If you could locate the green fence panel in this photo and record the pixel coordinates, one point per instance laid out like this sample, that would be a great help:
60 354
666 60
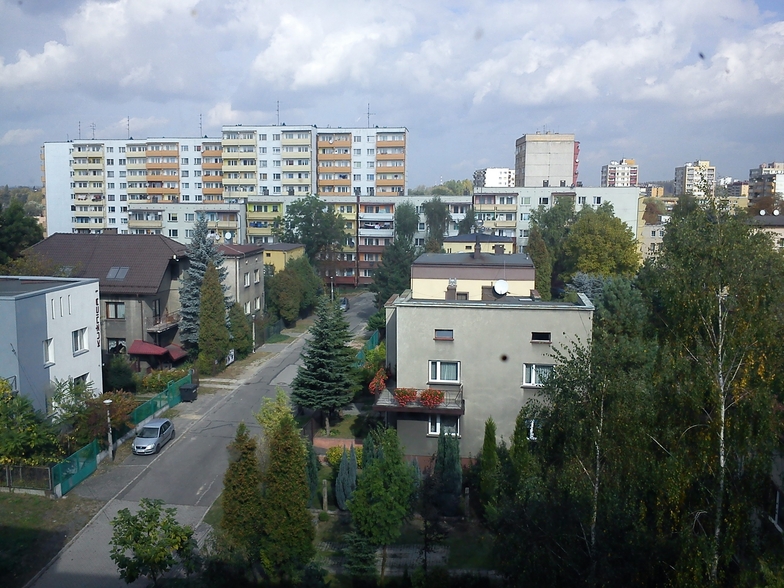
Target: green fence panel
76 467
166 399
371 343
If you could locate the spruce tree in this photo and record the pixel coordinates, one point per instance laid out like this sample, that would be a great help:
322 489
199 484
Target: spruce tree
488 477
241 498
287 545
368 451
393 274
200 251
449 472
342 492
213 333
323 381
312 472
240 330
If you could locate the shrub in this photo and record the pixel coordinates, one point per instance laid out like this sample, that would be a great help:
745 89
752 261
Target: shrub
157 380
323 516
379 382
334 454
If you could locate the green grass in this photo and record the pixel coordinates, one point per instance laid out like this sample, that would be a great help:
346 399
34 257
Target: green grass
279 338
341 429
215 514
470 547
325 473
34 528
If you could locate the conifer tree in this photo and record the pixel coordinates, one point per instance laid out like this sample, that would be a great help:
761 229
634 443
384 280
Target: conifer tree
312 472
213 333
449 472
287 545
323 382
368 451
342 482
200 251
240 330
488 480
241 498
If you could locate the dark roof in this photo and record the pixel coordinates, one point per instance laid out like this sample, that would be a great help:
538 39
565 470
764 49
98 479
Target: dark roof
123 264
768 220
281 246
482 239
239 250
468 259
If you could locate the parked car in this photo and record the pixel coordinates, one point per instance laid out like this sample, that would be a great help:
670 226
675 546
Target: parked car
154 435
344 304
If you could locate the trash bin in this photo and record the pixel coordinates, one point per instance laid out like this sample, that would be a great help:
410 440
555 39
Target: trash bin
188 392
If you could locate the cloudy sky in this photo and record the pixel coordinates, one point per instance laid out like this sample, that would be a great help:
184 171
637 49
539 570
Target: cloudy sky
661 81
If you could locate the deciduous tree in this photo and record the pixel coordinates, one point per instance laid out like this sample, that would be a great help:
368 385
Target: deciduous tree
26 437
406 221
437 218
316 225
18 231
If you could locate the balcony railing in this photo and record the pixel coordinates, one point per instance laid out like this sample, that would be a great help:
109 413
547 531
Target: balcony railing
164 322
453 402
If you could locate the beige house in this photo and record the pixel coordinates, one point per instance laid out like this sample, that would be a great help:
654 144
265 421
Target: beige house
279 254
488 352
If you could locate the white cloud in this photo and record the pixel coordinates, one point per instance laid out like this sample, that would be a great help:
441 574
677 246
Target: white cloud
223 114
137 126
20 136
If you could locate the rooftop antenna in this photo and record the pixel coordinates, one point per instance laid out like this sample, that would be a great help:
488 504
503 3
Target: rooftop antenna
369 114
92 126
128 125
277 109
201 130
80 130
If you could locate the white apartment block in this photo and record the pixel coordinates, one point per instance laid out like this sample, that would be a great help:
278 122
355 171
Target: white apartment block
620 174
691 176
546 160
494 177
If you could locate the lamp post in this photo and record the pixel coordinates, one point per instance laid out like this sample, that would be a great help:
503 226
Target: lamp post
253 328
332 288
108 403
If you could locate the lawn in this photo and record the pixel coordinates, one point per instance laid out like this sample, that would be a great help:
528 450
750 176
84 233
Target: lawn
279 338
34 528
215 514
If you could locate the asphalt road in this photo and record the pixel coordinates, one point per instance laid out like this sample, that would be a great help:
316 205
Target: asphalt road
188 472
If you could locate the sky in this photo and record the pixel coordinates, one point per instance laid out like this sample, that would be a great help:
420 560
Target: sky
659 81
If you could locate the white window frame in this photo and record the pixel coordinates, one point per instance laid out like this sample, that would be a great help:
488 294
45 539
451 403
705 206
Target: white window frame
531 374
79 341
48 352
246 279
437 364
434 426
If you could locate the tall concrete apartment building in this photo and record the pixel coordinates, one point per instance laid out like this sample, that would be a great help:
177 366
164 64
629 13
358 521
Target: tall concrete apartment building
546 160
620 174
766 180
691 176
494 177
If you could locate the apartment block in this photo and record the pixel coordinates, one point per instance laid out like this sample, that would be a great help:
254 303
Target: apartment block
494 177
546 160
620 174
690 177
766 181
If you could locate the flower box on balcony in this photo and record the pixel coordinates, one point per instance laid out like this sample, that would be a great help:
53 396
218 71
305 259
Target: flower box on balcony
405 396
431 398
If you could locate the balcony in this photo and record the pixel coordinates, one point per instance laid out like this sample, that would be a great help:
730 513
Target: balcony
161 323
376 216
453 402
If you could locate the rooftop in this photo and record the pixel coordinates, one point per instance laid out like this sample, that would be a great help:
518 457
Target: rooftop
14 286
518 260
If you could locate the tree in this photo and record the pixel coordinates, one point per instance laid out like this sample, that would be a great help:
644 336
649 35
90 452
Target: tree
18 231
449 473
240 331
213 333
393 274
406 221
316 225
155 540
242 498
468 225
287 544
429 504
382 499
271 413
553 225
600 243
284 296
30 263
437 218
118 374
543 262
26 437
310 285
346 481
323 381
488 480
312 471
90 422
200 251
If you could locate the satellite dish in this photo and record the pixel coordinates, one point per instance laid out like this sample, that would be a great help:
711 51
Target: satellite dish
227 235
776 212
501 287
762 213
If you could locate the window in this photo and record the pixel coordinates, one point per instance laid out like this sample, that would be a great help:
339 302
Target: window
172 217
115 310
246 279
444 335
597 199
449 424
49 352
581 199
174 233
357 177
357 164
444 371
370 177
257 303
371 151
357 151
256 276
79 340
115 345
357 139
184 161
371 164
536 374
541 337
421 226
544 201
246 307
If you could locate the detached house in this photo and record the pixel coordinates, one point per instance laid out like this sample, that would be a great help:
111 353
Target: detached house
473 329
139 279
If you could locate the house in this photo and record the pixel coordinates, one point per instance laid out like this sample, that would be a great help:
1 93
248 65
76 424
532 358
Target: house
494 243
278 255
472 327
51 331
139 279
245 278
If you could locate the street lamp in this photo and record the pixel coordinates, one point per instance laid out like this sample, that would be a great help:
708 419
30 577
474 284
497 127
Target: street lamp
253 327
108 403
332 288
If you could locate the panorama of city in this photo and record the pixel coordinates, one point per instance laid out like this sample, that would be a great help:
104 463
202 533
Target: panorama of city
446 295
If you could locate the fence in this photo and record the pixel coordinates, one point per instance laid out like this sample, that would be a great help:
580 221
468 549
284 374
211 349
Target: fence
75 468
263 334
32 477
371 343
166 399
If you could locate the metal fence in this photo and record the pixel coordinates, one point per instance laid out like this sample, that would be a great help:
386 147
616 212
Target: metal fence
166 399
75 468
263 334
371 343
32 477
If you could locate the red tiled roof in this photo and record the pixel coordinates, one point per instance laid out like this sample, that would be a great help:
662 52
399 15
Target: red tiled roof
176 352
143 348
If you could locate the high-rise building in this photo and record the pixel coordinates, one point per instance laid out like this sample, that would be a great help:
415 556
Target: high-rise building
690 178
766 180
546 160
494 177
620 174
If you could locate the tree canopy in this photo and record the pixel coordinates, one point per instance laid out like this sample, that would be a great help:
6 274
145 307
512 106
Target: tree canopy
316 225
437 218
406 221
214 341
18 231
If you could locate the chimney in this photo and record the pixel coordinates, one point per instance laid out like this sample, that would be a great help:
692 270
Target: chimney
498 248
451 292
477 247
535 294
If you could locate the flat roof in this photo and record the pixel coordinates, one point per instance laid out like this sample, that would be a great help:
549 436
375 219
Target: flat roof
468 259
507 301
15 286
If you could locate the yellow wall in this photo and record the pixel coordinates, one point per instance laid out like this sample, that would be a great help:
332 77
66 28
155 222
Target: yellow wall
279 258
435 289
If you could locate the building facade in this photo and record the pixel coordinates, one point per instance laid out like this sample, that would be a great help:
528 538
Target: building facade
620 174
52 330
691 177
546 160
766 181
494 177
245 276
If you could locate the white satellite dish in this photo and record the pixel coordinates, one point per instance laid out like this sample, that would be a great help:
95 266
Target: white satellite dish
501 287
762 213
227 235
776 212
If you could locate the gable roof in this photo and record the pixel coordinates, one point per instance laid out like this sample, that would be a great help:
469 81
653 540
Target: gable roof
123 264
239 250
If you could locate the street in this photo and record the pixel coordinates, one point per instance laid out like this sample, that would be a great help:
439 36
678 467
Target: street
188 472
